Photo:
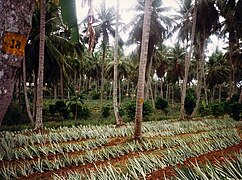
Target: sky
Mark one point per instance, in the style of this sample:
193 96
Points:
127 16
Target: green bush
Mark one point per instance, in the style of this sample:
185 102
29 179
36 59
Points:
204 109
95 95
52 109
64 112
59 105
106 111
236 110
217 109
15 116
190 102
161 103
130 108
80 110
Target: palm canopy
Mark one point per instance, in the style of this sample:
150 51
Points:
217 69
105 20
159 26
159 23
206 26
184 22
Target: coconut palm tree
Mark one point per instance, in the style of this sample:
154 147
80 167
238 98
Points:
204 28
40 81
230 10
104 28
118 118
187 23
142 69
217 72
161 63
159 27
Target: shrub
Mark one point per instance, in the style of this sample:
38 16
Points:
64 112
106 111
130 108
190 102
95 95
217 109
204 109
236 110
52 109
161 103
80 110
15 116
59 105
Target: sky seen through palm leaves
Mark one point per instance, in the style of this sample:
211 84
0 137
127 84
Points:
126 16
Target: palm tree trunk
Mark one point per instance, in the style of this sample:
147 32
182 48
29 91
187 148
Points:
172 95
161 89
119 92
155 91
39 102
118 118
151 95
26 94
220 91
167 91
205 85
187 63
55 91
15 25
102 76
240 97
200 75
232 49
61 84
147 95
142 68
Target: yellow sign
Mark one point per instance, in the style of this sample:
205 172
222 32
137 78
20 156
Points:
141 100
14 44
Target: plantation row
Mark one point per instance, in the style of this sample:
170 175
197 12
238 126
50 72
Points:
165 143
64 134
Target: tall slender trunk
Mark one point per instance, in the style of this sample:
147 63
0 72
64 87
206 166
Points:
151 95
187 63
155 91
61 84
167 91
119 120
142 69
55 91
201 60
15 25
232 48
172 95
220 92
161 89
199 86
240 97
205 84
26 94
40 82
147 96
19 91
102 76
